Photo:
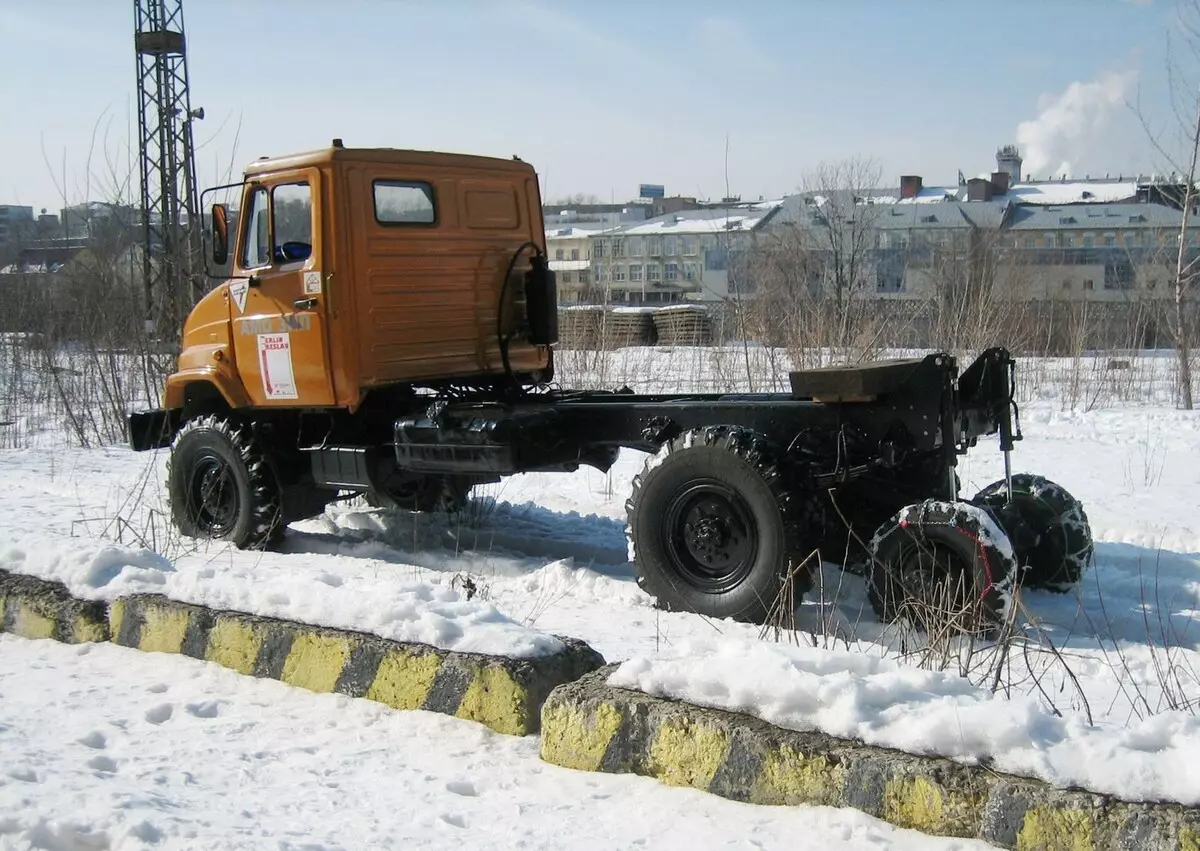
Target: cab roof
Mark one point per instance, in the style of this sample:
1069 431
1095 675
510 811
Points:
397 156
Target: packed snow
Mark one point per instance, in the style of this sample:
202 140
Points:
545 555
881 702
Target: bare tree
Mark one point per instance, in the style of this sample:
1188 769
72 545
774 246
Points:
1178 146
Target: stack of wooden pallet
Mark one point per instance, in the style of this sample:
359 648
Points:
683 325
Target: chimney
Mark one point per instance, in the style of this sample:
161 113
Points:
1000 182
910 185
979 189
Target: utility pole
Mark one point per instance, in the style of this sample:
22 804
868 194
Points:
170 218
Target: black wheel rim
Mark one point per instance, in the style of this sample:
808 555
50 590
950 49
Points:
710 536
932 584
1044 521
213 495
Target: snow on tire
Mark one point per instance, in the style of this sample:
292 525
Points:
1062 550
222 486
712 526
945 563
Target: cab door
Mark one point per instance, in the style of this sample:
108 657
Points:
277 304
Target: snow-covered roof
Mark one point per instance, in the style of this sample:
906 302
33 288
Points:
1076 192
575 232
744 217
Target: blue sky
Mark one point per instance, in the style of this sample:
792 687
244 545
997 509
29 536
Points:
603 94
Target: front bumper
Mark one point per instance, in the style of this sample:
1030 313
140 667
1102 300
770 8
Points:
153 429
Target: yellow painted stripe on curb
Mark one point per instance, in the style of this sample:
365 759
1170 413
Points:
116 617
789 777
163 629
921 804
403 679
688 753
234 645
88 630
1054 829
576 739
1189 840
496 700
30 623
315 661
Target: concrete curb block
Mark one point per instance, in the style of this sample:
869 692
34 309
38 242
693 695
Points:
590 726
34 608
502 693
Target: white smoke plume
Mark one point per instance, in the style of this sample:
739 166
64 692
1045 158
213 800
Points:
1069 125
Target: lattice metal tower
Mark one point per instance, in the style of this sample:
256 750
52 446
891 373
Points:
168 176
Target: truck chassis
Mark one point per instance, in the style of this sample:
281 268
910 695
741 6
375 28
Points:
855 464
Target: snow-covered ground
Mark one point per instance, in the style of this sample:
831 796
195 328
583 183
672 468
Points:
548 557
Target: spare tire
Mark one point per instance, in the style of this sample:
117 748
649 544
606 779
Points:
1057 546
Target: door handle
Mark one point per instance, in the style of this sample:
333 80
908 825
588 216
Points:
304 303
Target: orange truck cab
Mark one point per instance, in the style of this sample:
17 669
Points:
355 270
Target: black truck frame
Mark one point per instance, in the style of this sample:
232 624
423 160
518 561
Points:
855 464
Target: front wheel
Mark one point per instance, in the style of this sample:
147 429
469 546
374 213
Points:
1055 544
221 485
942 565
710 526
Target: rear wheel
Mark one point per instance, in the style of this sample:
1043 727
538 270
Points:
941 565
222 486
711 528
1055 547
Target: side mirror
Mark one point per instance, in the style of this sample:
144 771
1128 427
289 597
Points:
220 234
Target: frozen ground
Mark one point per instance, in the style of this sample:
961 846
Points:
548 557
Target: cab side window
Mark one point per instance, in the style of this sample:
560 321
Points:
256 247
292 205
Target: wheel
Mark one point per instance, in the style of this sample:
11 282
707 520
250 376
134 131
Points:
942 564
711 527
416 492
1055 546
221 485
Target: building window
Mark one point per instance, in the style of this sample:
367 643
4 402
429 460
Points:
689 245
634 246
566 277
1089 285
1031 241
1068 240
1110 240
653 272
691 272
558 254
618 274
583 276
708 242
574 253
599 274
618 248
672 271
654 246
635 272
1049 240
670 246
1089 240
598 248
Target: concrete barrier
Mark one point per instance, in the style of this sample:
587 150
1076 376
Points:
34 608
502 693
590 726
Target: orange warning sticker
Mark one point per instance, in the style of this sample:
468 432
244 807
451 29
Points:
275 363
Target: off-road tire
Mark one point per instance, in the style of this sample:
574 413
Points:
1064 549
921 547
222 485
423 494
715 493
